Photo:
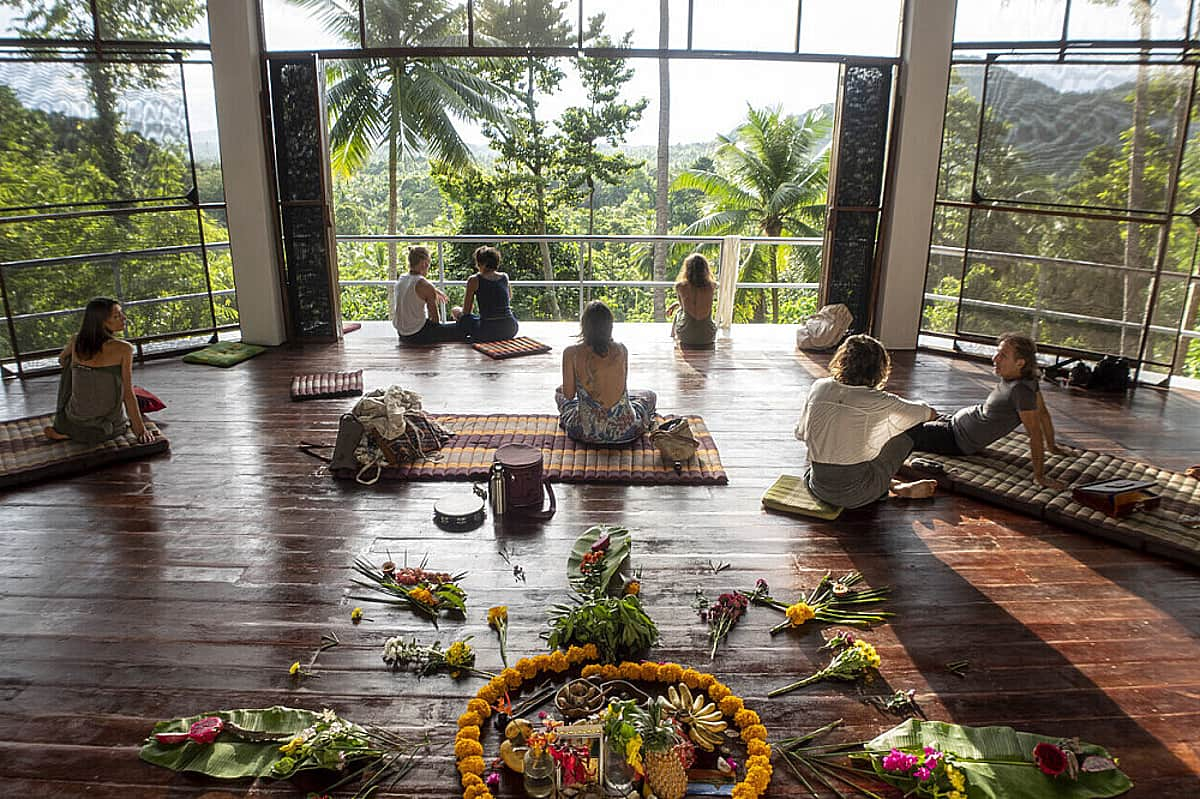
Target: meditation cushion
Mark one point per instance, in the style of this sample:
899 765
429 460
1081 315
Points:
224 354
789 494
511 348
147 402
26 455
324 385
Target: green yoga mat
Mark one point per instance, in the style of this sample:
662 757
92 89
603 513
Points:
789 494
224 354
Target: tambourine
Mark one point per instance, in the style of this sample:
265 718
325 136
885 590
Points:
459 513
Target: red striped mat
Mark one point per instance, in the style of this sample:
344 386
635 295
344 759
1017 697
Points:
26 455
511 348
468 455
327 384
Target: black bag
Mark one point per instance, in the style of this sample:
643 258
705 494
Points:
1112 373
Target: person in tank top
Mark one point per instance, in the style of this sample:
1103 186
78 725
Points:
95 389
495 320
415 307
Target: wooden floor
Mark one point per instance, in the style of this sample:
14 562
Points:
192 581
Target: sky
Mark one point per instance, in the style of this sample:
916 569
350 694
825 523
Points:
707 96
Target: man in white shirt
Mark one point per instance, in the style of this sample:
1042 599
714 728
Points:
855 430
415 311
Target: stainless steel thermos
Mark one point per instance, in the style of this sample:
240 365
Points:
497 491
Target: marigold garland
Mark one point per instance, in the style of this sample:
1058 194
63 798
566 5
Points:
468 751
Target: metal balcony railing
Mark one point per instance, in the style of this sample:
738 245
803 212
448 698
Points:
584 243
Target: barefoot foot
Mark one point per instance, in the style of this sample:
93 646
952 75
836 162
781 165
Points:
918 489
53 435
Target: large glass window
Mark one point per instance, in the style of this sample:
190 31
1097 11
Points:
110 180
1066 183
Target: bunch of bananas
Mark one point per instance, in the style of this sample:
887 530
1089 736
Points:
703 720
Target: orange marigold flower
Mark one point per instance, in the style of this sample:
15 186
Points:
469 779
706 681
590 670
469 719
649 672
477 705
758 747
542 662
690 678
512 678
730 705
754 731
718 691
670 672
744 791
466 747
558 662
758 761
744 718
590 652
575 655
468 733
471 765
630 671
527 668
759 779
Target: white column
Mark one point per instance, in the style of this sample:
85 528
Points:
233 28
924 79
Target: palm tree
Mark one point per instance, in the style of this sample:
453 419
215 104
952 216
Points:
769 178
409 104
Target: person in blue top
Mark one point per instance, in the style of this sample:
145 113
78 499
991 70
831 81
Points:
1014 401
495 320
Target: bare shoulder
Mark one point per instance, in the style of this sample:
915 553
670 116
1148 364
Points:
570 351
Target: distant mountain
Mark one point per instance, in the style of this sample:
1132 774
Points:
1056 129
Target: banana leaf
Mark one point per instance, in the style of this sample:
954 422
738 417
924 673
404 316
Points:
229 757
998 761
615 560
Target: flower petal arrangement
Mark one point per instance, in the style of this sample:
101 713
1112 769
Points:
937 760
855 658
469 754
834 601
427 593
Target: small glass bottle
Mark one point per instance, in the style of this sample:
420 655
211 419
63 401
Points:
539 773
618 774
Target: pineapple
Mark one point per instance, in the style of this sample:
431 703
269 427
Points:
660 741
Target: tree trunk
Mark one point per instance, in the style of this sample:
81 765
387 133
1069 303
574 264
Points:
774 230
108 129
1137 166
393 185
663 163
540 193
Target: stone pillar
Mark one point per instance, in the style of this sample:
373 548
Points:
924 80
233 28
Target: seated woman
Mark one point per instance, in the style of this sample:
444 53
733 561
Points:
96 380
495 320
693 326
593 404
855 430
1015 400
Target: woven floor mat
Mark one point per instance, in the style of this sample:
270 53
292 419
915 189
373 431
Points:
468 455
511 348
27 456
325 385
1001 474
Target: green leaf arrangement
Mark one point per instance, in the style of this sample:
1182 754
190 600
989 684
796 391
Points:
446 595
996 763
615 559
835 601
618 626
280 742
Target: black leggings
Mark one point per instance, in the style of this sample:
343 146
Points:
435 332
936 436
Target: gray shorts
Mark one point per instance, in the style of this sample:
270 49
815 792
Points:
858 484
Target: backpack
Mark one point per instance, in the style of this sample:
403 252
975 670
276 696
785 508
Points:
1112 373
